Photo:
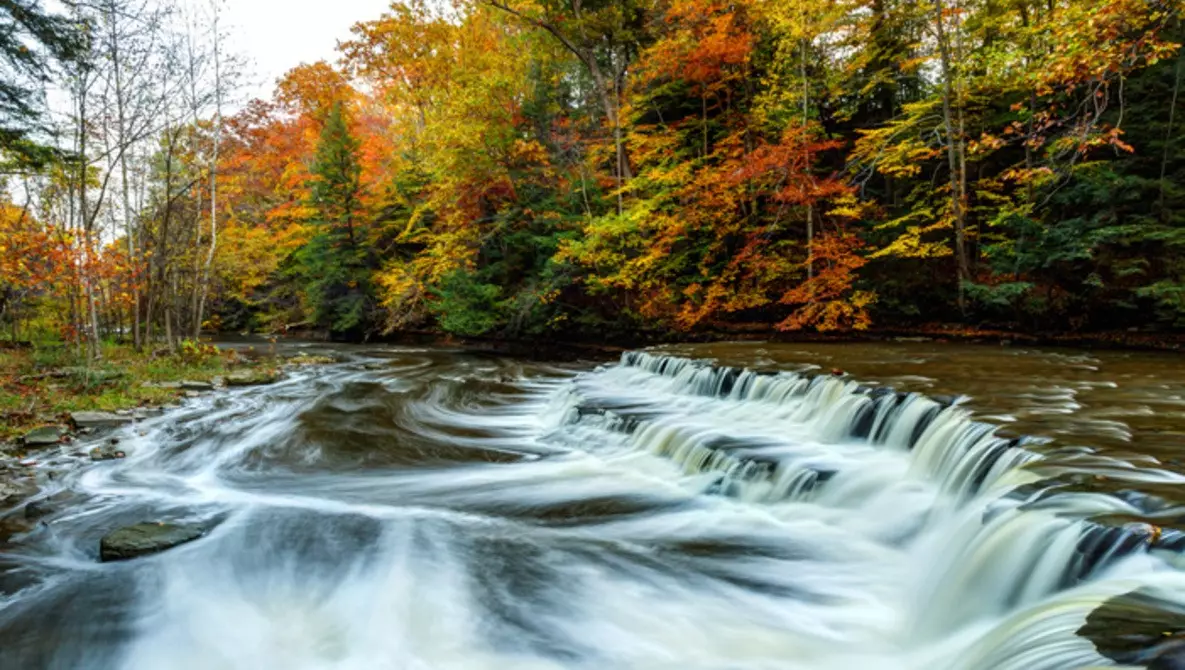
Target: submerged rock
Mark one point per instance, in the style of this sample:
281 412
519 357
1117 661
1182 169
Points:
13 491
1138 629
144 539
82 420
44 436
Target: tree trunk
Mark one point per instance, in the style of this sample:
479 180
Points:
954 153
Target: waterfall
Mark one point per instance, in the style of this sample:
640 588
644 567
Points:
415 508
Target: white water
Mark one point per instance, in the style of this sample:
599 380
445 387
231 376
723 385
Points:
656 514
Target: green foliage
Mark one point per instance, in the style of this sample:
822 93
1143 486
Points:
335 264
465 306
32 42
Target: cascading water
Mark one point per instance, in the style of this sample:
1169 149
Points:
426 509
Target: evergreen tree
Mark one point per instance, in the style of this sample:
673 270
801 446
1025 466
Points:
31 40
336 264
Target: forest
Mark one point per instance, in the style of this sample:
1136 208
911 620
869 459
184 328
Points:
596 169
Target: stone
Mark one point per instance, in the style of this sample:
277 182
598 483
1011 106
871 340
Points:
252 378
38 509
84 420
12 491
197 386
162 385
144 539
107 452
44 436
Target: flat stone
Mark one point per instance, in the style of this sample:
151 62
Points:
252 378
197 386
12 491
144 539
44 436
83 420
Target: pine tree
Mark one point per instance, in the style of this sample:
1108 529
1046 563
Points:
31 41
336 262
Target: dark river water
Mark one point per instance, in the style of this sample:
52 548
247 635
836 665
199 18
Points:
700 507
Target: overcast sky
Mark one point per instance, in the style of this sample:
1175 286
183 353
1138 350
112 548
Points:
277 35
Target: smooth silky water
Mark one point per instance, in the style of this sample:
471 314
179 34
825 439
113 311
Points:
707 507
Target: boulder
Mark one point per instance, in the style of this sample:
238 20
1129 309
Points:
44 436
144 539
107 452
253 378
82 420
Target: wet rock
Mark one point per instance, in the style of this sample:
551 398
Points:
96 420
44 436
253 378
308 359
14 490
1138 628
144 539
107 452
39 509
196 386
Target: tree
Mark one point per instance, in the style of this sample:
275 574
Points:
32 43
335 263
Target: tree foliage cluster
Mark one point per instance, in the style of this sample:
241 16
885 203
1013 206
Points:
592 167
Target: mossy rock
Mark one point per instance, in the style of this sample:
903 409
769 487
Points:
253 378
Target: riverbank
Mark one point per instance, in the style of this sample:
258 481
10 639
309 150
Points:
48 400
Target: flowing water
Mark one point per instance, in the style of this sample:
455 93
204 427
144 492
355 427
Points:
708 507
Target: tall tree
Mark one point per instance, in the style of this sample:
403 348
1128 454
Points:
335 262
32 43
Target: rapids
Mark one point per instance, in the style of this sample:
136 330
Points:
434 509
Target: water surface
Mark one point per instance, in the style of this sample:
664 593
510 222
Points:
702 507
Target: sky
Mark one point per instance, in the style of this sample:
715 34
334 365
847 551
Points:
277 35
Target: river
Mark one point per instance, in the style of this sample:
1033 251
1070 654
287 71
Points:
697 507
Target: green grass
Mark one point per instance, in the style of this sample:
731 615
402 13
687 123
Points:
31 396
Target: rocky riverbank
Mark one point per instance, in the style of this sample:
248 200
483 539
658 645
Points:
32 462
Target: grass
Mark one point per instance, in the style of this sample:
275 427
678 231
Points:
39 386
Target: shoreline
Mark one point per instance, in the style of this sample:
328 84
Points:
572 347
82 437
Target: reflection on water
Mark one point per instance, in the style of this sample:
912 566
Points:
703 507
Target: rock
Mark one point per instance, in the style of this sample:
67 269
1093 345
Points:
144 539
253 378
309 359
162 385
84 420
1138 628
12 491
197 386
193 394
44 436
106 452
38 509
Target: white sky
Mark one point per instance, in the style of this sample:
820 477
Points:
277 35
